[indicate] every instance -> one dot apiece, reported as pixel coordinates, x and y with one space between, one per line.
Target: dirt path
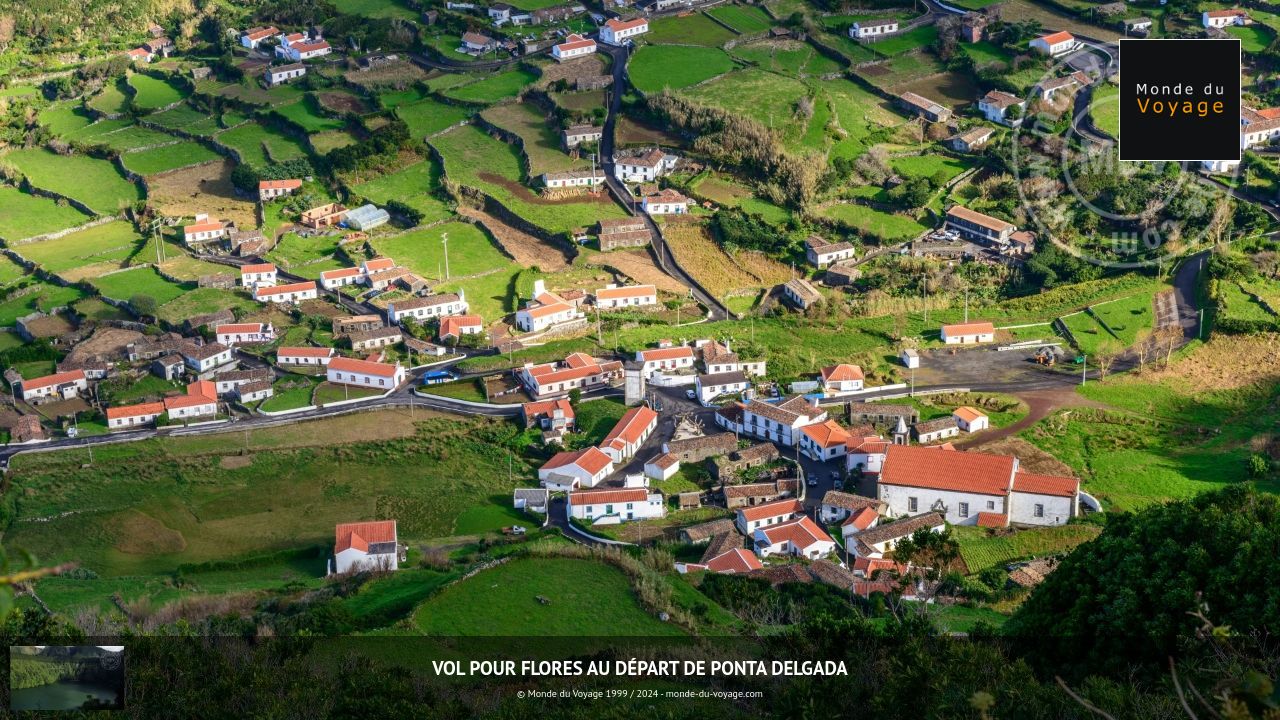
1041 404
527 250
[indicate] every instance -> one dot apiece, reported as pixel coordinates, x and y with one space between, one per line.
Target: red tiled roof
360 535
601 497
304 352
861 519
992 520
285 289
734 561
801 532
1226 13
575 42
379 263
54 379
341 273
552 309
841 373
617 25
258 268
826 434
364 367
124 411
239 328
545 407
309 47
982 219
1058 37
869 566
773 509
632 425
973 328
968 414
453 324
279 184
593 460
203 227
1026 482
928 467
626 291
672 353
259 33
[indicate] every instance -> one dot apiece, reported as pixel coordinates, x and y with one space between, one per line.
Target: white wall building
366 546
619 32
751 518
421 308
608 506
291 293
364 373
572 470
968 333
780 422
614 297
241 333
872 29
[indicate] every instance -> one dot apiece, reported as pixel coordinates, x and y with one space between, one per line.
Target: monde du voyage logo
1179 100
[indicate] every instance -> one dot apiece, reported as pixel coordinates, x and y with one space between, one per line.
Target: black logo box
1189 64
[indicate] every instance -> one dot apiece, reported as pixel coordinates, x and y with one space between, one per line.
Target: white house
629 434
545 310
239 333
877 540
838 506
572 470
668 358
1055 44
865 453
254 391
644 168
607 506
841 378
63 385
127 416
780 422
710 387
366 546
1257 127
935 430
253 36
971 419
573 178
718 358
576 135
969 488
1220 166
619 32
614 297
750 518
824 441
579 371
365 373
574 46
968 333
201 400
278 74
302 48
499 13
662 466
1224 18
334 279
258 275
801 293
313 356
272 189
421 308
291 293
872 29
821 253
995 106
665 202
456 326
203 358
206 230
800 537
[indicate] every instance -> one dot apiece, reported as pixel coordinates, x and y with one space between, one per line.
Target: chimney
539 287
201 217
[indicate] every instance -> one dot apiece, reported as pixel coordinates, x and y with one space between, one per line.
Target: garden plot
430 116
96 183
471 252
202 189
24 216
187 119
326 142
142 280
167 157
130 137
789 57
416 185
65 119
726 192
580 102
377 9
474 159
989 56
541 141
901 70
697 29
84 253
746 19
949 88
306 115
307 256
45 298
1025 10
259 145
151 93
111 100
886 227
722 274
672 67
493 88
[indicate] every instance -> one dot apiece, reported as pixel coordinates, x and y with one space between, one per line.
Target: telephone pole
444 240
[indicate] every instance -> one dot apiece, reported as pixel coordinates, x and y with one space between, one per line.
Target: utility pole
444 240
966 305
1084 369
1200 326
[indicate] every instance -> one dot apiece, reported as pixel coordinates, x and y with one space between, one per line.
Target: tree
929 556
143 304
575 397
1124 600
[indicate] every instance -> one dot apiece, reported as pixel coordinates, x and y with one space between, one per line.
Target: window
991 504
964 510
608 509
911 504
630 506
1039 512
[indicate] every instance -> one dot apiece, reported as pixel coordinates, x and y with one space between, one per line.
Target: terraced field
672 67
96 183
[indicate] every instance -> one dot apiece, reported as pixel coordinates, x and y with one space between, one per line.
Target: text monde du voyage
1181 99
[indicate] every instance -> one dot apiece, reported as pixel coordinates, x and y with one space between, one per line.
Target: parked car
813 481
691 394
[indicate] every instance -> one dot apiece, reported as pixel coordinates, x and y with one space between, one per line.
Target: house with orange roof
864 451
578 371
256 275
549 414
961 485
253 36
748 519
665 202
457 326
841 378
874 542
971 419
736 560
334 279
272 189
635 426
823 441
838 506
614 297
800 537
201 400
205 230
303 356
574 46
662 466
58 386
1224 18
364 373
610 506
142 54
571 470
546 310
128 416
366 547
291 293
1055 43
231 334
969 333
664 359
616 31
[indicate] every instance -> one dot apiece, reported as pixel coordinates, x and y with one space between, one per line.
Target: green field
109 245
65 119
745 19
306 115
878 224
430 116
1127 318
1104 108
981 549
45 299
324 142
504 602
655 67
260 145
859 113
473 158
493 88
186 118
312 253
96 183
152 93
392 99
415 185
143 280
377 9
470 250
928 165
1253 38
168 157
111 100
200 301
541 140
690 30
24 216
130 137
724 191
910 40
789 57
773 103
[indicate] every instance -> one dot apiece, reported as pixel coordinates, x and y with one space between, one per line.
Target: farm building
365 547
366 217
